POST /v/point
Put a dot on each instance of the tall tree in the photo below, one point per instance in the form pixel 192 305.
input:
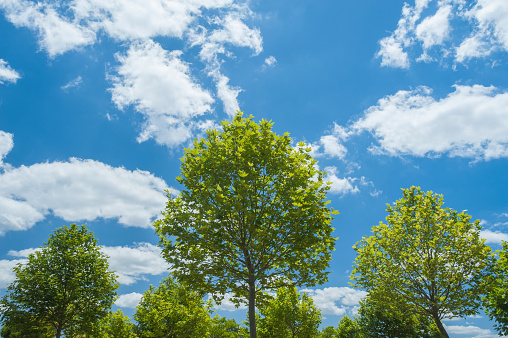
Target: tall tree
pixel 289 315
pixel 171 310
pixel 116 325
pixel 429 257
pixel 348 328
pixel 252 216
pixel 496 303
pixel 66 285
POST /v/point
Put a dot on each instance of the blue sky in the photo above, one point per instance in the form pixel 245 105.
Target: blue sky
pixel 99 99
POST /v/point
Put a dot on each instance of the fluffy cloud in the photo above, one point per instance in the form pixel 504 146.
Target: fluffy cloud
pixel 134 263
pixel 129 263
pixel 7 73
pixel 6 144
pixel 336 300
pixel 461 32
pixel 130 300
pixel 495 237
pixel 57 34
pixel 470 331
pixel 7 276
pixel 159 85
pixel 340 186
pixel 471 122
pixel 78 190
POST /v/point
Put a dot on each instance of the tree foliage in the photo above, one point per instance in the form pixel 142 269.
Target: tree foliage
pixel 252 216
pixel 496 303
pixel 347 328
pixel 116 325
pixel 427 257
pixel 383 320
pixel 171 310
pixel 64 287
pixel 291 314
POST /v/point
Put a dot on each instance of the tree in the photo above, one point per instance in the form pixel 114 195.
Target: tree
pixel 427 257
pixel 252 216
pixel 347 328
pixel 172 311
pixel 291 314
pixel 116 325
pixel 66 285
pixel 328 332
pixel 383 320
pixel 496 303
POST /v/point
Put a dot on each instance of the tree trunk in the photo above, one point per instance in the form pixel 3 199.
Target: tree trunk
pixel 439 324
pixel 252 309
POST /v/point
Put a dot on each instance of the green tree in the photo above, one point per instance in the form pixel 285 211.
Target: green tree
pixel 116 325
pixel 172 311
pixel 291 314
pixel 347 328
pixel 66 285
pixel 496 303
pixel 252 216
pixel 429 257
pixel 383 320
pixel 328 332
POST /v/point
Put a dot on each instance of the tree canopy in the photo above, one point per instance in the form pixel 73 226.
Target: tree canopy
pixel 64 287
pixel 496 303
pixel 252 216
pixel 172 311
pixel 290 314
pixel 426 259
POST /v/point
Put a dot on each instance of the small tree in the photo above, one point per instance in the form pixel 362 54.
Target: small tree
pixel 172 311
pixel 65 286
pixel 426 256
pixel 252 216
pixel 347 328
pixel 291 314
pixel 496 303
pixel 383 320
pixel 116 325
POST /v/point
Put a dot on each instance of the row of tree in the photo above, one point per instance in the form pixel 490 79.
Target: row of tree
pixel 253 218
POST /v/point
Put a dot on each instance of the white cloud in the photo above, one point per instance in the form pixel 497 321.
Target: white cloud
pixel 57 34
pixel 470 331
pixel 341 186
pixel 462 32
pixel 159 85
pixel 129 263
pixel 7 73
pixel 78 190
pixel 336 300
pixel 471 122
pixel 72 84
pixel 130 300
pixel 435 29
pixel 270 61
pixel 143 19
pixel 227 95
pixel 7 276
pixel 6 144
pixel 495 237
pixel 134 263
pixel 332 146
pixel 234 31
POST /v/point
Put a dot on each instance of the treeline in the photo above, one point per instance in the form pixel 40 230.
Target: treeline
pixel 253 218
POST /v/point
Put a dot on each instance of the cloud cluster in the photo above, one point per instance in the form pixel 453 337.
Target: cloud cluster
pixel 129 300
pixel 134 263
pixel 471 122
pixel 494 237
pixel 7 73
pixel 470 331
pixel 76 190
pixel 336 300
pixel 159 85
pixel 480 30
pixel 129 263
pixel 155 81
